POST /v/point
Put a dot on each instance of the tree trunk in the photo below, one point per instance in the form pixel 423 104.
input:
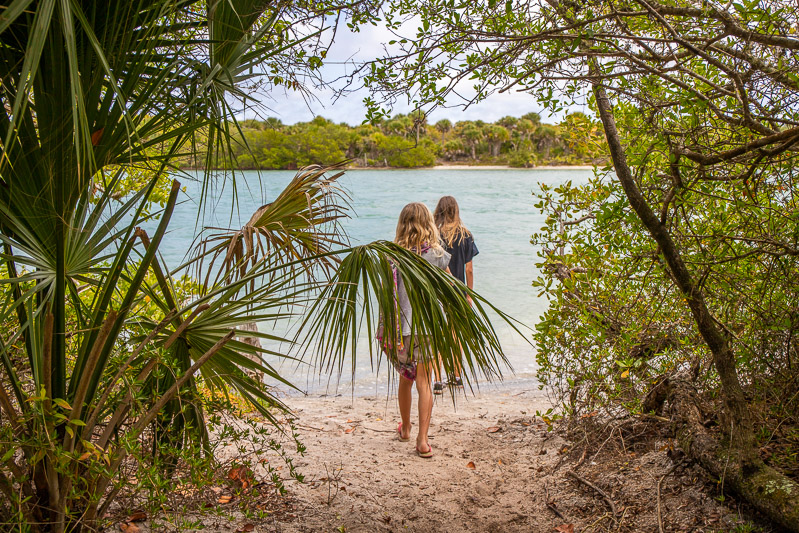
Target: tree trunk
pixel 770 492
pixel 741 427
pixel 738 466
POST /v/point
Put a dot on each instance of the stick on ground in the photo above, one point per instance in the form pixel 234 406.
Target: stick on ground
pixel 550 504
pixel 598 490
pixel 660 481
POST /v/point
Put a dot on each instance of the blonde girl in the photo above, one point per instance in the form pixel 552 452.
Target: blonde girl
pixel 416 231
pixel 459 243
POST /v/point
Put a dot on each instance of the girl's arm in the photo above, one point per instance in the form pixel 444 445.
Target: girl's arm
pixel 469 279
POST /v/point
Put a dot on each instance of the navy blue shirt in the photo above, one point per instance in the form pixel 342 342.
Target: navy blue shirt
pixel 462 251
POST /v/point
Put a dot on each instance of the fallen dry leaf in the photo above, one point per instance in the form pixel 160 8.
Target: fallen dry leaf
pixel 470 464
pixel 241 475
pixel 137 516
pixel 224 499
pixel 378 419
pixel 565 528
pixel 129 527
pixel 245 528
pixel 494 429
pixel 349 430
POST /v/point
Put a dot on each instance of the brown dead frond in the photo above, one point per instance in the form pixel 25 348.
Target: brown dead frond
pixel 298 228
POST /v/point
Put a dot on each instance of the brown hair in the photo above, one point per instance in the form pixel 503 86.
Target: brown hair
pixel 448 220
pixel 416 228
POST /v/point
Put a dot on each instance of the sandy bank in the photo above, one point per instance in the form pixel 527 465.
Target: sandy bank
pixel 496 469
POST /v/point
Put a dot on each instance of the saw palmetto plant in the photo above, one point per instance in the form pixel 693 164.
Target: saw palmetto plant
pixel 101 354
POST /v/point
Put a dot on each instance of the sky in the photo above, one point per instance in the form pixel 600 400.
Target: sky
pixel 292 107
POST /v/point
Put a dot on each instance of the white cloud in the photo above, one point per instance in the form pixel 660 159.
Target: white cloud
pixel 370 42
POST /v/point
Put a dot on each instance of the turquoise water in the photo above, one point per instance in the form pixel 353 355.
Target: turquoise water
pixel 496 205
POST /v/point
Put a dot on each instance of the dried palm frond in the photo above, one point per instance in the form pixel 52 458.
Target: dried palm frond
pixel 303 222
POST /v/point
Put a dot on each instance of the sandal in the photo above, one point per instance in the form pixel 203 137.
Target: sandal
pixel 399 434
pixel 425 455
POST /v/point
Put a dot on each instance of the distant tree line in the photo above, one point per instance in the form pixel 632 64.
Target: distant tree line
pixel 411 141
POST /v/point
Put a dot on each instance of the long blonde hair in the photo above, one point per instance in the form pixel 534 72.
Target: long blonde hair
pixel 448 220
pixel 416 227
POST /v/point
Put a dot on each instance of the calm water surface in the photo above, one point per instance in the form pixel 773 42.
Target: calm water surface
pixel 496 205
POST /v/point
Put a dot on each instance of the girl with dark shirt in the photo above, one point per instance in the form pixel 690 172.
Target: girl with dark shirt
pixel 459 243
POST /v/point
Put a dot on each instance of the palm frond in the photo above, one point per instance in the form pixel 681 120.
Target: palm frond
pixel 443 322
pixel 301 226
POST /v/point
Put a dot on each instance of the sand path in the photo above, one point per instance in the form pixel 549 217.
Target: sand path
pixel 489 451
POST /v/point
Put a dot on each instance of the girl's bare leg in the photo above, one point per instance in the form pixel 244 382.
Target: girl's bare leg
pixel 405 395
pixel 425 405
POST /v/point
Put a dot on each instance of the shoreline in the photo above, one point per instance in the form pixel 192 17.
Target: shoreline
pixel 506 167
pixel 479 167
pixel 434 167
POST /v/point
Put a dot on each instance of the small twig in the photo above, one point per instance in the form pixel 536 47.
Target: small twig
pixel 550 504
pixel 582 458
pixel 610 436
pixel 380 430
pixel 660 481
pixel 592 526
pixel 330 495
pixel 560 462
pixel 304 426
pixel 597 489
pixel 621 436
pixel 543 442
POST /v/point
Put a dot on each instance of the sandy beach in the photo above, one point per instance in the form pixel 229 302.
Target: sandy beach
pixel 496 469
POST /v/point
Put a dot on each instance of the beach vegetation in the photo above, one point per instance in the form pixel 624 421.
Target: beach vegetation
pixel 671 275
pixel 400 142
pixel 119 373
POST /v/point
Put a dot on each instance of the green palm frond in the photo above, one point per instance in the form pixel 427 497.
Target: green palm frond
pixel 443 321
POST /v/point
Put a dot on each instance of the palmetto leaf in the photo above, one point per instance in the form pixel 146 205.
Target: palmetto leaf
pixel 443 323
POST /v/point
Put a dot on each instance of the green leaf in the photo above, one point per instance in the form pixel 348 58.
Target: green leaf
pixel 60 402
